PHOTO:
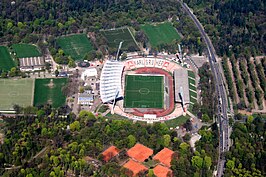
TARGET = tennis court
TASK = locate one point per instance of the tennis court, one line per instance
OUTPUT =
(18, 92)
(144, 91)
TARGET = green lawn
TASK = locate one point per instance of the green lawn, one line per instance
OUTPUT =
(26, 50)
(163, 33)
(115, 36)
(18, 91)
(45, 92)
(192, 81)
(177, 121)
(6, 62)
(144, 91)
(191, 74)
(191, 93)
(76, 46)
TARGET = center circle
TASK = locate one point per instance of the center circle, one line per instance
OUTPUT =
(13, 94)
(144, 91)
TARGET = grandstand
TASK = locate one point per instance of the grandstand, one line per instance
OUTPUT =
(110, 83)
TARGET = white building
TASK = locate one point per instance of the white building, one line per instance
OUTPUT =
(89, 73)
(111, 81)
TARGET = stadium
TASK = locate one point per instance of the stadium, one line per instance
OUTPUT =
(147, 89)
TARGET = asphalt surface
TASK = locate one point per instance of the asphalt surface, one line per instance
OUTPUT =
(221, 92)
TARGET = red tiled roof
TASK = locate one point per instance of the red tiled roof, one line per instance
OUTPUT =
(164, 156)
(134, 167)
(139, 152)
(110, 153)
(161, 171)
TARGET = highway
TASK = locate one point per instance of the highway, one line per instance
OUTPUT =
(221, 93)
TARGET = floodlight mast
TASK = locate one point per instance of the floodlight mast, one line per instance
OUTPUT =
(119, 47)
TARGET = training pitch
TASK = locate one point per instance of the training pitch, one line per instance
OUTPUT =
(26, 50)
(163, 33)
(115, 36)
(142, 91)
(49, 91)
(76, 46)
(6, 62)
(16, 92)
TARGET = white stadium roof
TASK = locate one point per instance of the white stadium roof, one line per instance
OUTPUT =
(110, 82)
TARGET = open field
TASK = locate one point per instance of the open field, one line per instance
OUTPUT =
(144, 91)
(49, 91)
(15, 92)
(163, 33)
(115, 36)
(192, 82)
(26, 50)
(177, 121)
(6, 62)
(76, 46)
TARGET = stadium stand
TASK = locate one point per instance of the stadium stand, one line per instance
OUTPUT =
(181, 80)
(110, 82)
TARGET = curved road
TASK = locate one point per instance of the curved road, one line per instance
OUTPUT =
(222, 96)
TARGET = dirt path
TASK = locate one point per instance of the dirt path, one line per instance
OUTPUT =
(234, 81)
(245, 97)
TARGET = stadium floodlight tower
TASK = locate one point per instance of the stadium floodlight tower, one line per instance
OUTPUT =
(119, 47)
(182, 100)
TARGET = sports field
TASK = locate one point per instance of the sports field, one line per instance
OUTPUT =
(26, 50)
(163, 33)
(6, 62)
(115, 36)
(144, 91)
(76, 46)
(49, 91)
(15, 92)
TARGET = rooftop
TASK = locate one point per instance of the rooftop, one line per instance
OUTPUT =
(139, 152)
(165, 156)
(110, 153)
(161, 171)
(135, 167)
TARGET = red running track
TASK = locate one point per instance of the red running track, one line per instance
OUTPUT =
(158, 112)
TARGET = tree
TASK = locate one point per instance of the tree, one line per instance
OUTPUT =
(167, 140)
(230, 164)
(13, 72)
(56, 73)
(205, 118)
(207, 162)
(197, 162)
(71, 62)
(131, 141)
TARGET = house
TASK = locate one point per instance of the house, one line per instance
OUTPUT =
(85, 99)
(31, 63)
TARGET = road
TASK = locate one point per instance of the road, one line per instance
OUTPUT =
(221, 92)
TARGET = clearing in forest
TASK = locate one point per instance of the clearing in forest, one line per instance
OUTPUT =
(76, 46)
(6, 62)
(15, 91)
(25, 50)
(49, 91)
(115, 36)
(163, 33)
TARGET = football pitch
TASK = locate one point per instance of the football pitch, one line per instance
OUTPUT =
(144, 91)
(49, 91)
(26, 50)
(163, 33)
(76, 46)
(16, 92)
(115, 36)
(6, 62)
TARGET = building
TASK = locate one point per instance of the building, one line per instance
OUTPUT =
(161, 171)
(109, 153)
(89, 73)
(111, 81)
(139, 152)
(165, 156)
(85, 99)
(31, 64)
(134, 168)
(181, 85)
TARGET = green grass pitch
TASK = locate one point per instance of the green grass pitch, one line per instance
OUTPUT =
(26, 50)
(163, 33)
(49, 93)
(6, 62)
(144, 91)
(76, 46)
(114, 37)
(16, 92)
